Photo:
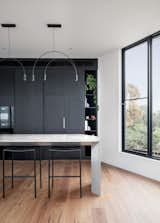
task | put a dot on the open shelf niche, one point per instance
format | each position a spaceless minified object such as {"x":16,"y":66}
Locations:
{"x":90,"y":105}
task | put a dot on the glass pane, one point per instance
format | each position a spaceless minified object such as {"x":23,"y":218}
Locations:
{"x":156,"y":97}
{"x":136,"y":126}
{"x":136,"y":71}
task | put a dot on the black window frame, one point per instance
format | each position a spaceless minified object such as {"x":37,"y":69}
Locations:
{"x":148,"y":40}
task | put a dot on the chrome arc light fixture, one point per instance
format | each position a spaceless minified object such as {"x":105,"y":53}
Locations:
{"x":51,"y":52}
{"x":8,"y":27}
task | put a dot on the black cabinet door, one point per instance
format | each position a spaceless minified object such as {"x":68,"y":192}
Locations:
{"x":74,"y":114}
{"x":63,"y":101}
{"x":28,"y":103}
{"x":7,"y":86}
{"x":53,"y":114}
{"x":54,"y":100}
{"x":74,"y":102}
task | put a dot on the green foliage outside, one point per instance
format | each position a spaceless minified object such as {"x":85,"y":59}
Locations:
{"x":136,"y":124}
{"x":156,"y":131}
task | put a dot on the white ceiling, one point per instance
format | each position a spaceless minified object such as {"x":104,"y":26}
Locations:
{"x":90,"y":27}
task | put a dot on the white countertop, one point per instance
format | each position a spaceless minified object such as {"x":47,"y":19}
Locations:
{"x":46,"y":139}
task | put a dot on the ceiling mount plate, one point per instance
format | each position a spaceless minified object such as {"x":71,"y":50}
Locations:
{"x":54,"y":25}
{"x":8,"y":25}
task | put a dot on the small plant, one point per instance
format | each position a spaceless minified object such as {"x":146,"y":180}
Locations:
{"x":91,"y":85}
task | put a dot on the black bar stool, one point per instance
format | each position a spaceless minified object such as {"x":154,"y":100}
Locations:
{"x":12,"y":151}
{"x":51,"y":166}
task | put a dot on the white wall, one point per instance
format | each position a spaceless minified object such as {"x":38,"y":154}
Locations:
{"x":109,"y":84}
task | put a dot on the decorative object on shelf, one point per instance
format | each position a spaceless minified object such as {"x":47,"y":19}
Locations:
{"x":89,"y":128}
{"x":86,"y":125}
{"x":9,"y":26}
{"x":91,"y":85}
{"x":87,"y":117}
{"x":51,"y":52}
{"x":86,"y":103}
{"x":93,"y":117}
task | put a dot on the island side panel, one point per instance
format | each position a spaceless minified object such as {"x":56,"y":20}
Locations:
{"x":95,"y":169}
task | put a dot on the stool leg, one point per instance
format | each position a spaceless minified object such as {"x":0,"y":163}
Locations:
{"x":80,"y":165}
{"x":52,"y":172}
{"x":49,"y":192}
{"x":12,"y":174}
{"x":35,"y":186}
{"x":40,"y":167}
{"x":3,"y":174}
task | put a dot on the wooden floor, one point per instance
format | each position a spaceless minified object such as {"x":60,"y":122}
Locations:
{"x":126,"y":197}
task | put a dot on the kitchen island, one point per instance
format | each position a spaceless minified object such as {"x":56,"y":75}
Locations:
{"x":43,"y":140}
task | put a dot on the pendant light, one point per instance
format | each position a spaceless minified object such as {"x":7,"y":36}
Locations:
{"x":9,"y":26}
{"x":54,"y":51}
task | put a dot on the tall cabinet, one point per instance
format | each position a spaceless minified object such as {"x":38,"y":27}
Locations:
{"x":63,"y":101}
{"x":6,"y":86}
{"x":28,"y":103}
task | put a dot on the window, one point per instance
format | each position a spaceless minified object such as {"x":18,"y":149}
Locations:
{"x":141,"y":97}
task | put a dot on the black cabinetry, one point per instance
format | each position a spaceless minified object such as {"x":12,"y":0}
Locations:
{"x":54,"y":105}
{"x":63,"y":101}
{"x":28,"y":103}
{"x":7,"y":86}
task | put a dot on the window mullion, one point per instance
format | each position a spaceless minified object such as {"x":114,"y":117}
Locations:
{"x":123,"y":101}
{"x":149,"y":135}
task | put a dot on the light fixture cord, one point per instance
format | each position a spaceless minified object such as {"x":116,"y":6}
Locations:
{"x":53,"y":39}
{"x":9,"y":43}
